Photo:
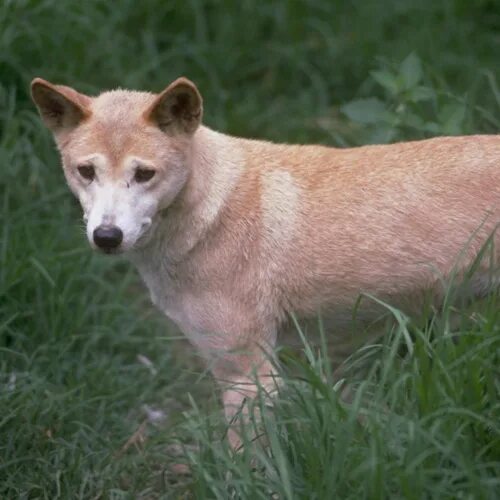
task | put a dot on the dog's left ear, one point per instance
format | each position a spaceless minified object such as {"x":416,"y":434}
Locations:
{"x":178,"y":109}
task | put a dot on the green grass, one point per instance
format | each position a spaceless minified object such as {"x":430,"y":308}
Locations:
{"x":73,"y":390}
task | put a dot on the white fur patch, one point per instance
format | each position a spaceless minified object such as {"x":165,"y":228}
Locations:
{"x":218,"y":172}
{"x":280,"y":204}
{"x":225,"y":175}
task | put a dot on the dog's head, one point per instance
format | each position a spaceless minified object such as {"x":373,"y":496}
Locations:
{"x":125,"y":154}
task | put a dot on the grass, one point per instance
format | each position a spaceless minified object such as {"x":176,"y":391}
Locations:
{"x":77,"y":395}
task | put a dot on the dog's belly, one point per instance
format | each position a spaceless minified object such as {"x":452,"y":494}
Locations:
{"x":218,"y":323}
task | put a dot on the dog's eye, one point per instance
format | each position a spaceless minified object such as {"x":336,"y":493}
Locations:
{"x":143,"y":174}
{"x":87,"y":172}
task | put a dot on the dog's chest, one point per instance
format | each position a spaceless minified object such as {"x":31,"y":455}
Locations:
{"x":205,"y":316}
{"x":168,"y":296}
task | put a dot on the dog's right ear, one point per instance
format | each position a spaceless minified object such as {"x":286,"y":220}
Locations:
{"x":60,"y":107}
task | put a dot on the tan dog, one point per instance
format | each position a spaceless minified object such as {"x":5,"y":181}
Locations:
{"x":231,"y":235}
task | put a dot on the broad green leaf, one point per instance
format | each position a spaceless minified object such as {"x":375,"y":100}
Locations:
{"x":451,"y":118}
{"x":411,"y":71}
{"x":421,"y":94}
{"x":387,"y":80}
{"x":382,"y":134}
{"x":367,"y":111}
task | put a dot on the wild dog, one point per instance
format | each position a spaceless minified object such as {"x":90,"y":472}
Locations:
{"x":232,"y":235}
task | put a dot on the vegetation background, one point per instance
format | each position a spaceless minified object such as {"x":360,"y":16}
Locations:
{"x":94,"y":388}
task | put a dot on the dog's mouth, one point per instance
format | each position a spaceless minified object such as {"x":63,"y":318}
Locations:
{"x":110,"y":251}
{"x":107,"y":250}
{"x":146,"y":234}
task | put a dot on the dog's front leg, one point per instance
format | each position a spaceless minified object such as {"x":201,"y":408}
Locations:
{"x":243,"y":374}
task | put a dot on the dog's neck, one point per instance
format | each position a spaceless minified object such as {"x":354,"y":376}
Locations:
{"x":215,"y":164}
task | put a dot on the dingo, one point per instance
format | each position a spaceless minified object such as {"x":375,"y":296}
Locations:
{"x":232,"y":235}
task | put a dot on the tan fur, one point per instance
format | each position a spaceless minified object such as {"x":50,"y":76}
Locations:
{"x":260,"y":230}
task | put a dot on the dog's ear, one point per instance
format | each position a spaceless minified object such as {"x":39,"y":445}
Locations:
{"x":60,"y":107}
{"x":178,"y":109}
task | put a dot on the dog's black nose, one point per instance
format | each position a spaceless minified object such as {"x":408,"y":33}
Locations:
{"x":107,"y":237}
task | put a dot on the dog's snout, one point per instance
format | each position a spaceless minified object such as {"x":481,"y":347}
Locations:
{"x":107,"y":237}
